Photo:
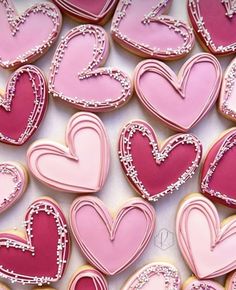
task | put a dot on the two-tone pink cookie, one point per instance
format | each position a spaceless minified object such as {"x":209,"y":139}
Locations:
{"x":218,"y":171}
{"x":179,"y":101}
{"x":39,"y":256}
{"x":207,"y":244}
{"x":143,"y":28}
{"x":13,"y":182}
{"x":79,"y":166}
{"x":23,"y":105}
{"x":78,"y":76}
{"x":90,"y":11}
{"x":193,"y":284}
{"x":159,"y":275}
{"x":156,"y":171}
{"x":214,"y":23}
{"x":22,"y":39}
{"x":112,"y":244}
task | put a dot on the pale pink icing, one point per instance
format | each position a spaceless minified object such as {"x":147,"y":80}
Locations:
{"x":142,"y":27}
{"x":80,"y":167}
{"x":194,"y":284}
{"x":206,"y":245}
{"x":180,"y":101}
{"x":77,"y":76}
{"x":31,"y":40}
{"x":111,"y":245}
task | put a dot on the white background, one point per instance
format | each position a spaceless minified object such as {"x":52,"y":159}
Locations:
{"x":117,"y":190}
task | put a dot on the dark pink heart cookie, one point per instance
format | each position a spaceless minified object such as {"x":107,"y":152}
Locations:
{"x":155,"y":172}
{"x":23,"y":105}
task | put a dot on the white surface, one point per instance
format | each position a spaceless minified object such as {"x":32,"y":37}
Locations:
{"x":117,"y":190}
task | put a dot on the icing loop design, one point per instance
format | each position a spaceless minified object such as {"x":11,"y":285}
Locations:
{"x":81,"y":81}
{"x":111,"y":245}
{"x":191,"y":93}
{"x":214,"y":23}
{"x":82,"y":165}
{"x":23,"y":33}
{"x":214,"y":256}
{"x":194,"y":284}
{"x":46,"y":236}
{"x":218,"y":173}
{"x":23,"y":105}
{"x":153,"y":275}
{"x":136,"y":22}
{"x":13,"y":181}
{"x":140,"y":155}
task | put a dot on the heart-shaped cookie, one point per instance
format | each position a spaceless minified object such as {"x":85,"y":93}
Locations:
{"x":161,"y":276}
{"x":23,"y":105}
{"x":22,"y":39}
{"x":91,"y":11}
{"x":218,"y":171}
{"x":77,"y":76}
{"x":214,"y":22}
{"x":156,"y":172}
{"x":112,"y":244}
{"x":141,"y":27}
{"x":227,"y":101}
{"x":82,"y":165}
{"x":193,"y":284}
{"x":13,"y":182}
{"x":198,"y":220}
{"x":41,"y":256}
{"x":179,"y":101}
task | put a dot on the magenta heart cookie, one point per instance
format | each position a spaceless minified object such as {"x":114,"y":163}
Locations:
{"x":214,"y":22}
{"x":218,"y":171}
{"x":22,"y":39}
{"x":112,"y":244}
{"x":214,"y":256}
{"x":143,"y":28}
{"x":227,"y":101}
{"x":179,"y":101}
{"x":23,"y":105}
{"x":41,"y":256}
{"x":161,"y":276}
{"x":77,"y":76}
{"x":153,"y":171}
{"x":13,"y":182}
{"x":91,"y":11}
{"x":82,"y":165}
{"x":193,"y":284}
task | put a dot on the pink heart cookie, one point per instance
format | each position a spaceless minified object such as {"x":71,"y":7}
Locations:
{"x":179,"y":101}
{"x":91,"y":11}
{"x":13,"y":182}
{"x":213,"y":255}
{"x":193,"y":284}
{"x":22,"y":39}
{"x":227,"y":101}
{"x":41,"y":256}
{"x":23,"y":105}
{"x":112,"y":244}
{"x":82,"y":165}
{"x":218,"y":171}
{"x":160,"y":276}
{"x":214,"y":22}
{"x":81,"y":81}
{"x":153,"y":171}
{"x":141,"y":27}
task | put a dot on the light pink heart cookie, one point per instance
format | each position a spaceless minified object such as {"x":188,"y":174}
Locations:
{"x":143,"y":28}
{"x":227,"y":101}
{"x":82,"y":165}
{"x":77,"y":76}
{"x":155,"y":276}
{"x":112,"y":244}
{"x":179,"y":101}
{"x":156,"y":171}
{"x":13,"y":182}
{"x":206,"y":244}
{"x":22,"y":39}
{"x":91,"y":11}
{"x":194,"y":284}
